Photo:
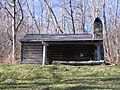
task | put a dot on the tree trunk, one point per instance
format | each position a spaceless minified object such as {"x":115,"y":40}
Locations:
{"x":14,"y":29}
{"x":72,"y":18}
{"x":107,"y":38}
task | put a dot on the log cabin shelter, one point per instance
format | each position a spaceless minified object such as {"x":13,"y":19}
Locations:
{"x":46,"y":48}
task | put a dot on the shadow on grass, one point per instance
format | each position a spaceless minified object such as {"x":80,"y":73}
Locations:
{"x":86,"y":87}
{"x":22,"y":85}
{"x":111,"y":79}
{"x":92,"y":83}
{"x":81,"y":80}
{"x":80,"y":84}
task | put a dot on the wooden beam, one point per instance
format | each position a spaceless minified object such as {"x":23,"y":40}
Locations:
{"x":98,"y":52}
{"x":44,"y":52}
{"x":74,"y":43}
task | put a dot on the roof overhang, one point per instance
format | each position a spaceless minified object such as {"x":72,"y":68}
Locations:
{"x":59,"y":38}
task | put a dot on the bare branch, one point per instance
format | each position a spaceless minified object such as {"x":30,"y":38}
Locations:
{"x":21,"y":6}
{"x":9,"y":3}
{"x":7,"y":10}
{"x":54,"y":16}
{"x":33,"y":16}
{"x":22,"y":16}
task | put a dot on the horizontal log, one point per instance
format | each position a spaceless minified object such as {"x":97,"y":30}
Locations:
{"x":32,"y":52}
{"x":32,"y":47}
{"x":33,"y":44}
{"x":28,"y":57}
{"x":82,"y":62}
{"x":31,"y":61}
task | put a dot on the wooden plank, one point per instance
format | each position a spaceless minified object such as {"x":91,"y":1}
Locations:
{"x":32,"y":52}
{"x":31,"y":61}
{"x":32,"y":43}
{"x":31,"y":57}
{"x":32,"y":47}
{"x":75,"y":42}
{"x":82,"y":62}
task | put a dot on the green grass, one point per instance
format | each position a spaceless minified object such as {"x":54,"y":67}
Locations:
{"x":59,"y":77}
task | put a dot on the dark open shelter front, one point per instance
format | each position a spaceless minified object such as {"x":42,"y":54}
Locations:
{"x":71,"y":52}
{"x":46,"y":48}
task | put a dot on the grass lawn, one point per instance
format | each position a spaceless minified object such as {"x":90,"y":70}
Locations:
{"x":59,"y":77}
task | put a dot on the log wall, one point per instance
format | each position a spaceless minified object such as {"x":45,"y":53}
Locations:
{"x":32,"y":53}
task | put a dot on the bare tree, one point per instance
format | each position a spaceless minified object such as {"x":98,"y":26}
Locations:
{"x":33,"y":16}
{"x":15,"y":25}
{"x":51,"y":10}
{"x":72,"y":18}
{"x":112,"y":49}
{"x":107,"y":47}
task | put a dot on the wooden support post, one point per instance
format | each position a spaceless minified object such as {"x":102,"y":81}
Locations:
{"x":98,"y":53}
{"x":44,"y":54}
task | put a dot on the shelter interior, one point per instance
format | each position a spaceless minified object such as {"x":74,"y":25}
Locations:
{"x":72,"y":52}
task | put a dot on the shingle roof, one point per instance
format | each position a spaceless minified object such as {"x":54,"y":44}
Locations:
{"x":57,"y":37}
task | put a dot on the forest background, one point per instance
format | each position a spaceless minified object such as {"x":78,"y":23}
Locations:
{"x":21,"y":17}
